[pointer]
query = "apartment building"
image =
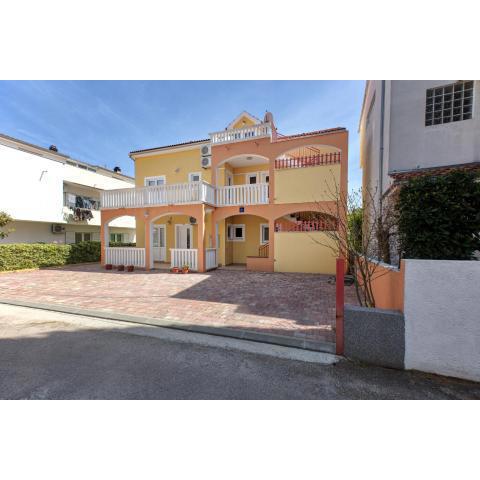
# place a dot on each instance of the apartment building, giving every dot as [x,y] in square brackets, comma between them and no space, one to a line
[410,128]
[244,196]
[54,198]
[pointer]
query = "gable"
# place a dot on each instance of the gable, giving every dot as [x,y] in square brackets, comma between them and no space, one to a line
[243,120]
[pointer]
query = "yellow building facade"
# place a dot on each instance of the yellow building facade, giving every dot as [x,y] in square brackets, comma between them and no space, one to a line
[245,196]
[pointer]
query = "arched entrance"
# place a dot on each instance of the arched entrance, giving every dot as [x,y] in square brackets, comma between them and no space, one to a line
[173,240]
[241,238]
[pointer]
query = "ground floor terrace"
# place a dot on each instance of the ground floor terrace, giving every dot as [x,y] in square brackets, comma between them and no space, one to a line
[291,305]
[270,238]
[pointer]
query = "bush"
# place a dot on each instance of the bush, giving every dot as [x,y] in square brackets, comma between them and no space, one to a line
[122,244]
[84,252]
[439,217]
[16,256]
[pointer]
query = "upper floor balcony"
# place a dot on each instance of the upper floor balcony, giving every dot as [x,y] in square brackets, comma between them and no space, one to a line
[186,193]
[250,132]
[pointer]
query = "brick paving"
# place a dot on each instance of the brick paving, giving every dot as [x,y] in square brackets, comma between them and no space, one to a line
[299,305]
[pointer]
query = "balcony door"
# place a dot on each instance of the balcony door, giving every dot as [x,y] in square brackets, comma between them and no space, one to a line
[183,236]
[159,243]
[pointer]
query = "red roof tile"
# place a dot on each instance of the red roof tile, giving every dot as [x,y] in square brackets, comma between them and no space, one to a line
[403,175]
[307,134]
[170,146]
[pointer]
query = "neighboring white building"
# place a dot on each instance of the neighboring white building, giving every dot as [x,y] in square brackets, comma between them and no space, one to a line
[411,127]
[54,198]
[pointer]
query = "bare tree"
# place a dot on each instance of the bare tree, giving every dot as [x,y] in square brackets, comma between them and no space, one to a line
[366,251]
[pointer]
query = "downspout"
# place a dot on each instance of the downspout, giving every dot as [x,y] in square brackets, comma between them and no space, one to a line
[382,127]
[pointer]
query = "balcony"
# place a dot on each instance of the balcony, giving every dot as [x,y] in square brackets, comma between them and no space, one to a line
[261,130]
[185,193]
[254,194]
[175,194]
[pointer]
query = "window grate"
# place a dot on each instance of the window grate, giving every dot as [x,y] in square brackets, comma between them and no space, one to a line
[450,103]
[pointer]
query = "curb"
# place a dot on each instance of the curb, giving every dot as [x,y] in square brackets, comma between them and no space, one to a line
[267,338]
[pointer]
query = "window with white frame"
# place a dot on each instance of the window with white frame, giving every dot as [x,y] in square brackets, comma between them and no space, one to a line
[449,103]
[194,176]
[265,177]
[251,178]
[264,233]
[236,233]
[155,181]
[116,237]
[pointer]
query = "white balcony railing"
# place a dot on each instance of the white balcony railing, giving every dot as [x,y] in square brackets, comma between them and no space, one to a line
[125,256]
[184,256]
[194,192]
[184,193]
[241,134]
[211,258]
[242,195]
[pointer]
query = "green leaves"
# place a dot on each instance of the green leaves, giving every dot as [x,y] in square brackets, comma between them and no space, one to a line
[439,217]
[17,256]
[5,219]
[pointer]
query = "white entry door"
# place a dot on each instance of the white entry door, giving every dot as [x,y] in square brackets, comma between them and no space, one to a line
[159,243]
[183,236]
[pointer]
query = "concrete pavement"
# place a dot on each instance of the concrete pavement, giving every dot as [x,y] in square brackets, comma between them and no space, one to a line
[50,355]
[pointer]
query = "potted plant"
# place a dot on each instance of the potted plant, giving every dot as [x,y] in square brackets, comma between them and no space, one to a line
[121,268]
[185,269]
[174,269]
[130,268]
[108,266]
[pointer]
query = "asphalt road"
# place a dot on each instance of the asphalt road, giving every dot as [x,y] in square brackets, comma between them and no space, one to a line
[49,355]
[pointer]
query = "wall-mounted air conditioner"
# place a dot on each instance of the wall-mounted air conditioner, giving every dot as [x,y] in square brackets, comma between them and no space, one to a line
[206,162]
[56,228]
[206,150]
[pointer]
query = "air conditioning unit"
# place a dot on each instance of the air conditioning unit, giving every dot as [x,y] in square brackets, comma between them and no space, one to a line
[56,228]
[206,150]
[206,162]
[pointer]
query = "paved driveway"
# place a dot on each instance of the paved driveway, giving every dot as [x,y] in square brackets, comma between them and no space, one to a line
[299,305]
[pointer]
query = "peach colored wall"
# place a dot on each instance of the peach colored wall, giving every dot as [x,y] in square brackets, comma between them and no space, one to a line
[259,264]
[388,287]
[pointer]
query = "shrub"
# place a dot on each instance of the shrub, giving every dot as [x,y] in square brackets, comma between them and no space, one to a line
[439,217]
[5,219]
[16,256]
[84,252]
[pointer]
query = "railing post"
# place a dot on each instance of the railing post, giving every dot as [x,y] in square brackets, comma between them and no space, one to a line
[340,305]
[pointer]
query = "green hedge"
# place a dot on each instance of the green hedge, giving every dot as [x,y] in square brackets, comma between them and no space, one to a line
[439,217]
[16,256]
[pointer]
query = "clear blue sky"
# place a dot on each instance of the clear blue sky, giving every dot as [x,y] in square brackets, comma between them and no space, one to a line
[101,121]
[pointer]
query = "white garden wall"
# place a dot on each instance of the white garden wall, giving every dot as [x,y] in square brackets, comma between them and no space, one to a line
[442,317]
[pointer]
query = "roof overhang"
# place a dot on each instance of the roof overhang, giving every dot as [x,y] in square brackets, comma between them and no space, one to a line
[168,148]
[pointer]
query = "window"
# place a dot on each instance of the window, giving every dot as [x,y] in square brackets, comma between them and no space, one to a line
[82,237]
[450,103]
[155,181]
[236,233]
[264,233]
[251,178]
[116,237]
[265,177]
[194,176]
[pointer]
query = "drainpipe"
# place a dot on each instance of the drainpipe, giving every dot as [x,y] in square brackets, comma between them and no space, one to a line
[382,127]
